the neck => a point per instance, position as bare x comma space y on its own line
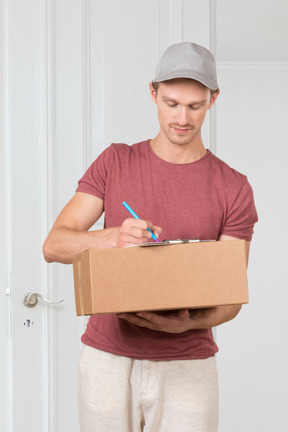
178, 153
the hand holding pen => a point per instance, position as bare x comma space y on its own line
136, 231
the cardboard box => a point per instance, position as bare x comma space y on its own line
193, 275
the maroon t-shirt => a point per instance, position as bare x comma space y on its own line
202, 199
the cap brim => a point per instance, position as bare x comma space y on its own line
208, 82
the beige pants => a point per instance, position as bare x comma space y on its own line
120, 394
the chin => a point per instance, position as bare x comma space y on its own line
181, 141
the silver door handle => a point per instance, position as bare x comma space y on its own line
31, 300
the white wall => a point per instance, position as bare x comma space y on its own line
252, 136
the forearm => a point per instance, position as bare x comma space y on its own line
212, 317
62, 243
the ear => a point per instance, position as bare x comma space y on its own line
153, 93
213, 99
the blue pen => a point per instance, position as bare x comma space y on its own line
137, 217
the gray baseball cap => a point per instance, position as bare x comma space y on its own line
187, 60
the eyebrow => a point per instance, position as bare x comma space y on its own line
168, 99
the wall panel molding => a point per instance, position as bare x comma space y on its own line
212, 47
86, 89
176, 21
95, 56
213, 26
249, 65
49, 199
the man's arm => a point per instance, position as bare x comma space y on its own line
69, 235
183, 320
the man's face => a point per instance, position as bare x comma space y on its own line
182, 105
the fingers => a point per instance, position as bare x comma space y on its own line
134, 231
135, 318
184, 313
156, 230
174, 322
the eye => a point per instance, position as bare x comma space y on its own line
194, 107
171, 104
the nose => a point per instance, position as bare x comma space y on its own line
183, 116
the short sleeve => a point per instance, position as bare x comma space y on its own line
94, 180
241, 215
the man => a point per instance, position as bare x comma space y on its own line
146, 368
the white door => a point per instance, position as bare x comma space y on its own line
74, 74
42, 158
